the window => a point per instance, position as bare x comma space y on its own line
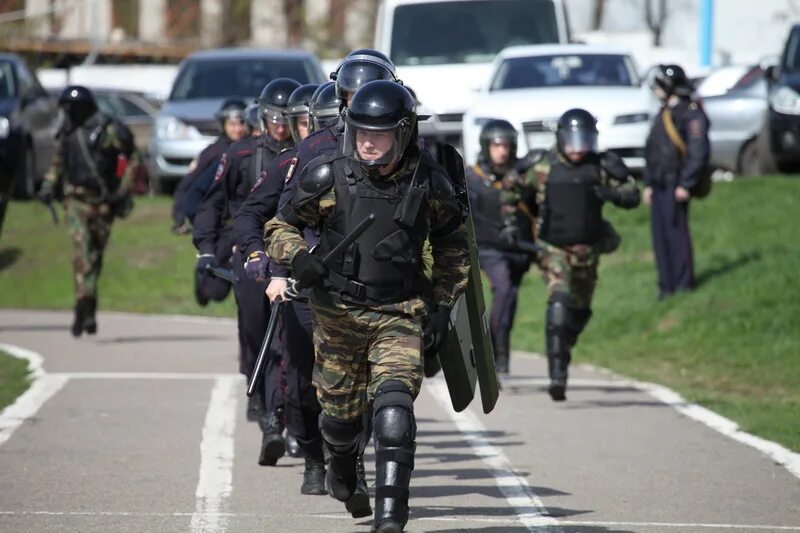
7, 86
565, 71
791, 57
436, 33
221, 78
131, 109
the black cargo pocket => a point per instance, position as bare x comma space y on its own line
396, 248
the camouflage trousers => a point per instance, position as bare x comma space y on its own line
89, 226
358, 349
574, 270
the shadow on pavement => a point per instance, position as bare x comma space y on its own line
429, 511
553, 529
161, 338
8, 257
35, 327
462, 444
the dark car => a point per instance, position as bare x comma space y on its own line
783, 115
185, 124
28, 119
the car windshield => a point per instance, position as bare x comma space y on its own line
221, 78
436, 33
565, 71
791, 58
8, 88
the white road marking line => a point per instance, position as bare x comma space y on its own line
42, 388
216, 458
725, 426
530, 510
149, 375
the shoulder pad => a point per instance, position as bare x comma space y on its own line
441, 186
614, 165
530, 159
317, 178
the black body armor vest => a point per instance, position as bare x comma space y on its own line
573, 214
489, 218
87, 163
383, 265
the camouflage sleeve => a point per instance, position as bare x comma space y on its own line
284, 235
120, 139
450, 251
617, 176
55, 170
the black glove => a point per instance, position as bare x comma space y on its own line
203, 261
121, 204
436, 329
607, 194
308, 269
509, 236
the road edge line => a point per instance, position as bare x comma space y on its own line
43, 387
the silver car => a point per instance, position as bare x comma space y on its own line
185, 124
737, 118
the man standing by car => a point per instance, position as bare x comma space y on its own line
572, 184
677, 153
502, 206
94, 161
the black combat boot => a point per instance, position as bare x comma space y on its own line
80, 314
89, 319
293, 448
557, 368
346, 481
255, 407
314, 474
272, 444
559, 341
501, 357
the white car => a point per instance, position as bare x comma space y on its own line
532, 86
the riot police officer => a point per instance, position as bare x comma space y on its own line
367, 307
676, 153
93, 167
241, 167
502, 206
233, 127
573, 181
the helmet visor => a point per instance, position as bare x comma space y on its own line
353, 75
577, 141
274, 116
372, 147
299, 125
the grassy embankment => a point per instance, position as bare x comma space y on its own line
733, 344
13, 378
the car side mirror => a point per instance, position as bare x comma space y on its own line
771, 73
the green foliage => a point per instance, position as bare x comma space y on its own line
13, 378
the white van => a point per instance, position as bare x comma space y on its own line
443, 49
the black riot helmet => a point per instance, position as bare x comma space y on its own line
672, 80
274, 99
78, 104
497, 131
232, 108
324, 107
360, 67
252, 118
379, 123
576, 133
297, 109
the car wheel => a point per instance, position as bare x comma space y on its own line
25, 181
750, 163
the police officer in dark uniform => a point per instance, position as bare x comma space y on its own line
233, 128
368, 309
302, 408
677, 153
241, 168
572, 184
502, 206
92, 168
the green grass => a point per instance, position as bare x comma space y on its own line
13, 378
146, 268
733, 344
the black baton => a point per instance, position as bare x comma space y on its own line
261, 362
221, 273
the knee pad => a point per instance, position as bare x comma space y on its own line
558, 321
394, 415
342, 435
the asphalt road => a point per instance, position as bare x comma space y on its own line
142, 429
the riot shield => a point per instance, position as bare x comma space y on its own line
482, 353
457, 358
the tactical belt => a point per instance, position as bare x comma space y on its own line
361, 291
88, 194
